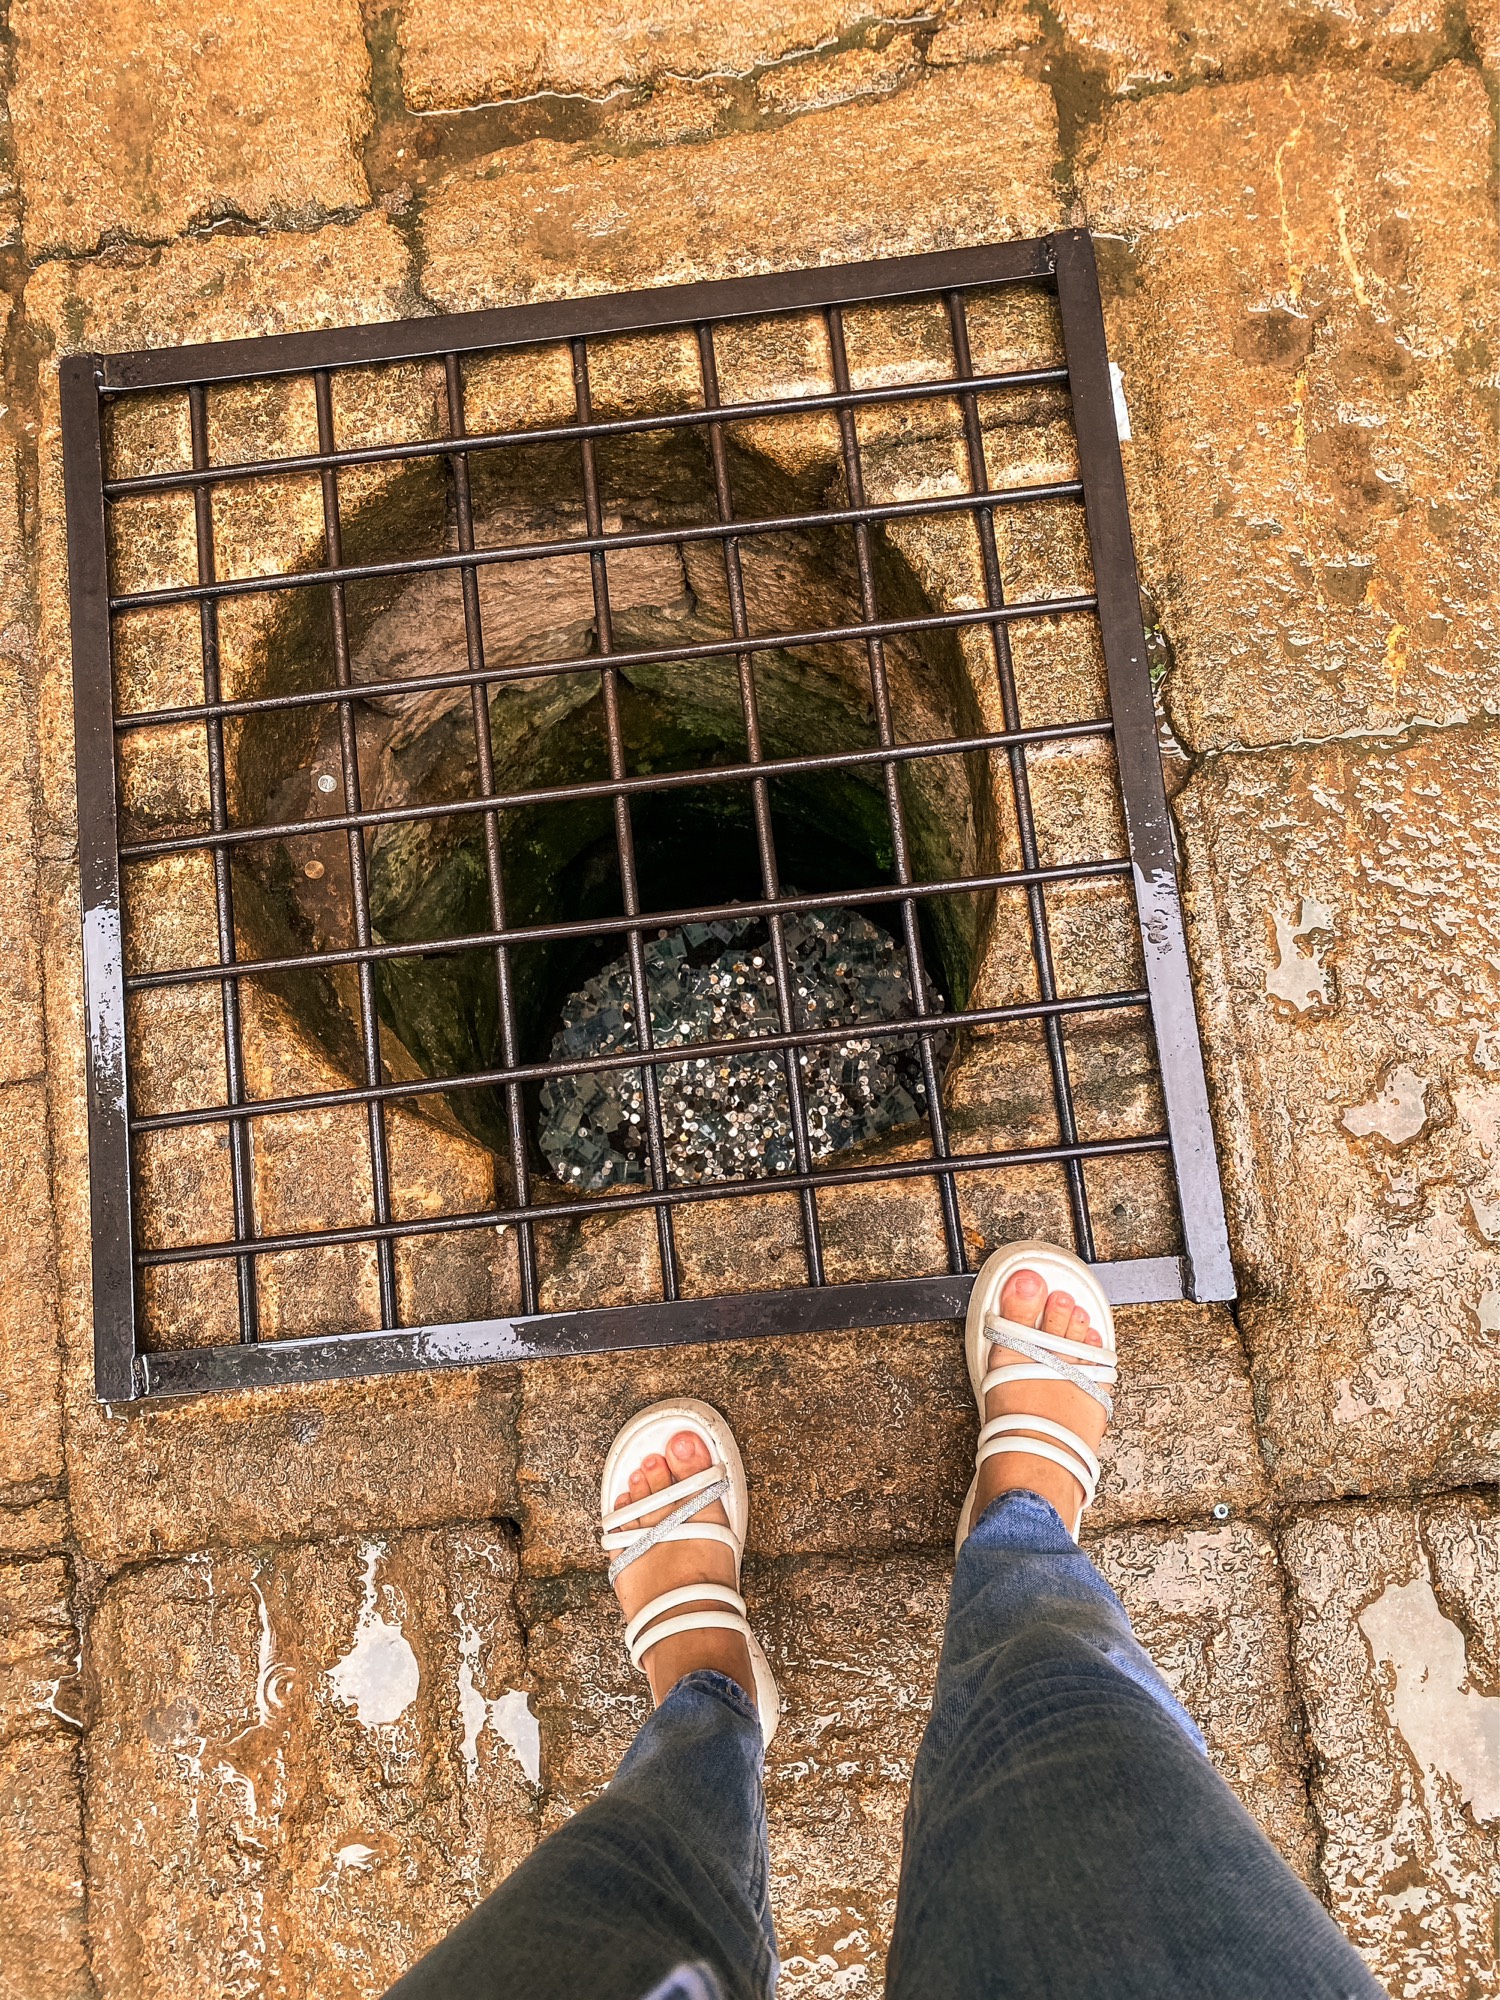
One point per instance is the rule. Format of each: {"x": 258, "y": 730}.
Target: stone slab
{"x": 241, "y": 1469}
{"x": 37, "y": 1527}
{"x": 1343, "y": 907}
{"x": 854, "y": 1645}
{"x": 864, "y": 1442}
{"x": 41, "y": 1859}
{"x": 546, "y": 220}
{"x": 136, "y": 122}
{"x": 306, "y": 1764}
{"x": 501, "y": 49}
{"x": 1207, "y": 1605}
{"x": 1397, "y": 1653}
{"x": 31, "y": 1456}
{"x": 1308, "y": 369}
{"x": 1143, "y": 44}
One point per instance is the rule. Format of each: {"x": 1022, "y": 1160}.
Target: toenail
{"x": 1028, "y": 1282}
{"x": 681, "y": 1447}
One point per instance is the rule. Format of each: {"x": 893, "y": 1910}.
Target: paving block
{"x": 1306, "y": 363}
{"x": 41, "y": 1859}
{"x": 863, "y": 1443}
{"x": 31, "y": 1456}
{"x": 1343, "y": 902}
{"x": 547, "y": 221}
{"x": 134, "y": 122}
{"x": 500, "y": 49}
{"x": 1140, "y": 44}
{"x": 306, "y": 1764}
{"x": 1396, "y": 1648}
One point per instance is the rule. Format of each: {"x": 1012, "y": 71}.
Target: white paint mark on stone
{"x": 1387, "y": 1392}
{"x": 1299, "y": 977}
{"x": 379, "y": 1675}
{"x": 1452, "y": 1731}
{"x": 509, "y": 1715}
{"x": 355, "y": 1855}
{"x": 1397, "y": 1113}
{"x": 1489, "y": 1313}
{"x": 1122, "y": 408}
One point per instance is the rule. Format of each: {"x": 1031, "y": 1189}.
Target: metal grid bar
{"x": 679, "y": 1052}
{"x": 1064, "y": 263}
{"x": 260, "y": 585}
{"x": 1020, "y": 785}
{"x": 659, "y": 1198}
{"x": 241, "y": 1170}
{"x": 609, "y": 683}
{"x": 765, "y": 839}
{"x": 708, "y": 649}
{"x": 609, "y": 427}
{"x": 369, "y": 1017}
{"x": 1148, "y": 822}
{"x": 703, "y": 913}
{"x": 854, "y": 479}
{"x": 494, "y": 871}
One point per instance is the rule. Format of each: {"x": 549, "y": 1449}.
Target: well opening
{"x": 692, "y": 845}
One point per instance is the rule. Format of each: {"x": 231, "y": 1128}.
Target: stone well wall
{"x": 1296, "y": 205}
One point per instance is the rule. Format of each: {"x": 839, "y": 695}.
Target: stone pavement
{"x": 286, "y": 1682}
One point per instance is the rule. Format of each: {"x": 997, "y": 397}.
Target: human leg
{"x": 662, "y": 1884}
{"x": 1066, "y": 1833}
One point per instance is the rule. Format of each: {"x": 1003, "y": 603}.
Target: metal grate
{"x": 134, "y": 1358}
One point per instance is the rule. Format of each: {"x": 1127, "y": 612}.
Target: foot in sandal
{"x": 1045, "y": 1403}
{"x": 681, "y": 1583}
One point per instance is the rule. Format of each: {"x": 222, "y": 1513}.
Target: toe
{"x": 1022, "y": 1297}
{"x": 1059, "y": 1313}
{"x": 1079, "y": 1328}
{"x": 688, "y": 1454}
{"x": 638, "y": 1487}
{"x": 656, "y": 1471}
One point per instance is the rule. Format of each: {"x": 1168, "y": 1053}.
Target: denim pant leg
{"x": 1066, "y": 1834}
{"x": 666, "y": 1873}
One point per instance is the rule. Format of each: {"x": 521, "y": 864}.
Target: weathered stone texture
{"x": 1309, "y": 365}
{"x": 1484, "y": 25}
{"x": 229, "y": 1471}
{"x": 30, "y": 1424}
{"x": 543, "y": 220}
{"x": 307, "y": 1764}
{"x": 1397, "y": 1650}
{"x": 1344, "y": 913}
{"x": 220, "y": 289}
{"x": 1207, "y": 1606}
{"x": 41, "y": 1859}
{"x": 1138, "y": 44}
{"x": 815, "y": 85}
{"x": 500, "y": 49}
{"x": 138, "y": 121}
{"x": 864, "y": 1443}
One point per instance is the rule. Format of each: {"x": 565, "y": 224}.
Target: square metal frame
{"x": 1063, "y": 262}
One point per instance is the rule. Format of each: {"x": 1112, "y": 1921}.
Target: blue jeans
{"x": 1066, "y": 1834}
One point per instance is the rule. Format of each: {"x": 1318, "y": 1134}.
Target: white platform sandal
{"x": 692, "y": 1607}
{"x": 1045, "y": 1357}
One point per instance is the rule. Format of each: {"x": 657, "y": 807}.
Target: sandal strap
{"x": 690, "y": 1531}
{"x": 698, "y": 1498}
{"x": 635, "y": 1510}
{"x": 1046, "y": 1350}
{"x": 691, "y": 1621}
{"x": 674, "y": 1600}
{"x": 1017, "y": 1424}
{"x": 1041, "y": 1449}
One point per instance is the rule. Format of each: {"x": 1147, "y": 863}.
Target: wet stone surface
{"x": 729, "y": 1117}
{"x": 1396, "y": 1643}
